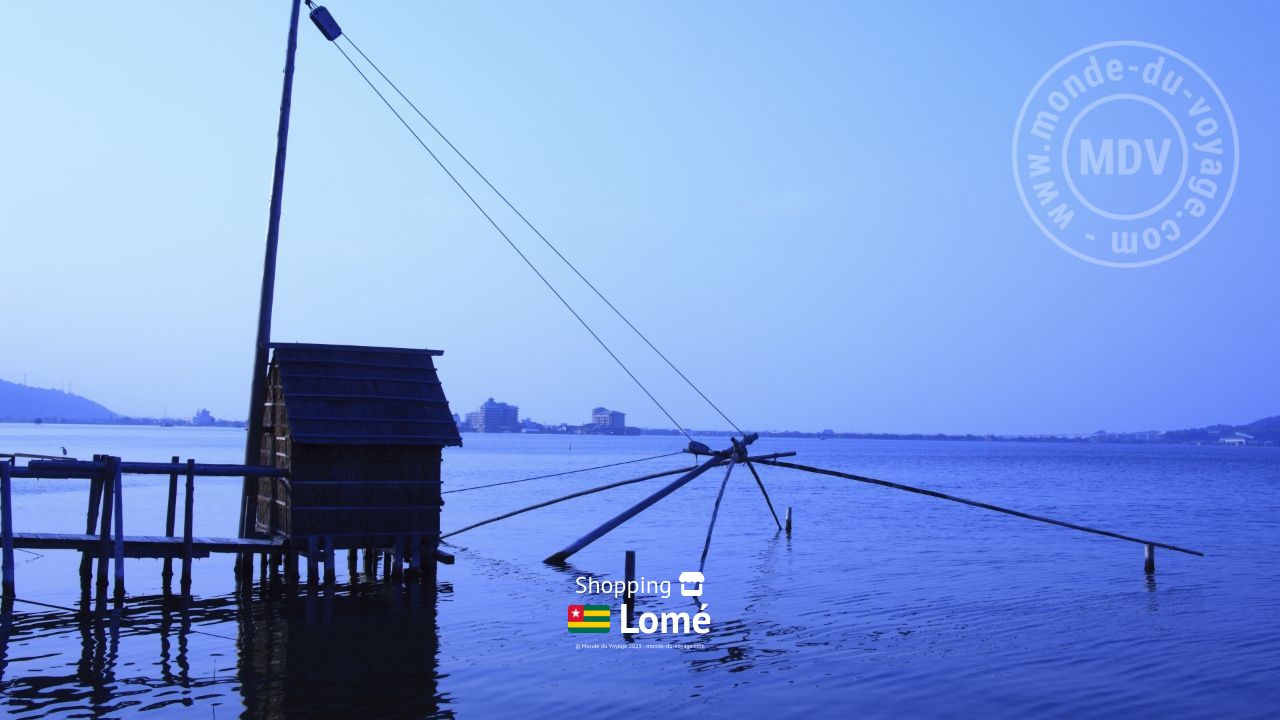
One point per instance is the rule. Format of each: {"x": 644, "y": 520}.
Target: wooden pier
{"x": 104, "y": 538}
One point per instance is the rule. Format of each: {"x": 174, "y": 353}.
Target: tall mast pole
{"x": 261, "y": 348}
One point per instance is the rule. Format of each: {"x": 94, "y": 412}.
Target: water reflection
{"x": 330, "y": 651}
{"x": 370, "y": 651}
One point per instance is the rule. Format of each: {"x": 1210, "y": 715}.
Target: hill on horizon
{"x": 26, "y": 404}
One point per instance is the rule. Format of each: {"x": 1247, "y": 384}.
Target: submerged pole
{"x": 1149, "y": 559}
{"x": 262, "y": 345}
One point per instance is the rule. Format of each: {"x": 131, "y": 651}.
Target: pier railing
{"x": 104, "y": 537}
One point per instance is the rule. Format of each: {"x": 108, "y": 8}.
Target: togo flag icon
{"x": 588, "y": 618}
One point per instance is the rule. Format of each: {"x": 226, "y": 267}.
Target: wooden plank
{"x": 157, "y": 546}
{"x": 85, "y": 469}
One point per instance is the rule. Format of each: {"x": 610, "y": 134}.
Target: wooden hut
{"x": 360, "y": 430}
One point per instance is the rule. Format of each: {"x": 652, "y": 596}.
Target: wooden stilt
{"x": 91, "y": 521}
{"x": 188, "y": 525}
{"x": 415, "y": 557}
{"x": 313, "y": 573}
{"x": 117, "y": 481}
{"x": 386, "y": 564}
{"x": 291, "y": 566}
{"x": 1149, "y": 560}
{"x": 397, "y": 559}
{"x": 170, "y": 521}
{"x": 6, "y": 530}
{"x": 788, "y": 521}
{"x": 104, "y": 541}
{"x": 330, "y": 559}
{"x": 369, "y": 562}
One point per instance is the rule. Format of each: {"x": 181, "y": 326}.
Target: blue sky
{"x": 809, "y": 206}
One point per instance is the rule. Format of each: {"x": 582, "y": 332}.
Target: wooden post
{"x": 313, "y": 572}
{"x": 170, "y": 519}
{"x": 330, "y": 558}
{"x": 629, "y": 573}
{"x": 386, "y": 565}
{"x": 291, "y": 566}
{"x": 351, "y": 564}
{"x": 370, "y": 561}
{"x": 6, "y": 528}
{"x": 1149, "y": 560}
{"x": 104, "y": 536}
{"x": 788, "y": 521}
{"x": 188, "y": 523}
{"x": 91, "y": 521}
{"x": 118, "y": 485}
{"x": 262, "y": 346}
{"x": 415, "y": 557}
{"x": 397, "y": 561}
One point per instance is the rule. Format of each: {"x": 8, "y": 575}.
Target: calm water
{"x": 881, "y": 604}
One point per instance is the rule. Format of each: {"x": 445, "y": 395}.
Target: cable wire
{"x": 504, "y": 235}
{"x": 542, "y": 237}
{"x": 559, "y": 474}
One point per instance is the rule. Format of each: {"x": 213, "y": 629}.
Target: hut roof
{"x": 355, "y": 395}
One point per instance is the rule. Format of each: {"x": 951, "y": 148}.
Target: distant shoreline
{"x": 1214, "y": 435}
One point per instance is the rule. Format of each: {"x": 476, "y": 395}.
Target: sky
{"x": 809, "y": 207}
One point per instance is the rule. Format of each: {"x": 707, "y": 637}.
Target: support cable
{"x": 510, "y": 242}
{"x": 542, "y": 237}
{"x": 566, "y": 472}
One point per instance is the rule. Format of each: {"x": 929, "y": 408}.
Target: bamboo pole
{"x": 764, "y": 492}
{"x": 715, "y": 512}
{"x": 985, "y": 506}
{"x": 559, "y": 557}
{"x": 570, "y": 496}
{"x": 261, "y": 347}
{"x": 593, "y": 490}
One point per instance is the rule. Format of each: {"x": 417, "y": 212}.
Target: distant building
{"x": 494, "y": 417}
{"x": 607, "y": 422}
